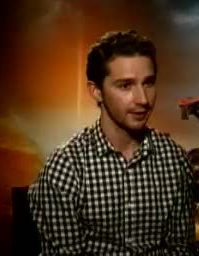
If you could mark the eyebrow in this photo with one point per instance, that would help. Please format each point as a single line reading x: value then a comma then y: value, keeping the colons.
x: 149, y: 78
x: 121, y: 80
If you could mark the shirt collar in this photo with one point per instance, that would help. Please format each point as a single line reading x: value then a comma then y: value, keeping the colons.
x: 145, y: 148
x: 103, y: 146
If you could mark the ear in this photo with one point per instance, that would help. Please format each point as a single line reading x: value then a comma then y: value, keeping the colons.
x: 94, y: 91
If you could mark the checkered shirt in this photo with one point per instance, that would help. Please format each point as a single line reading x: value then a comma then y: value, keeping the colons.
x: 89, y: 200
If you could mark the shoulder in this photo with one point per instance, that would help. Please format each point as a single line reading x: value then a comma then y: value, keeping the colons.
x: 163, y: 142
x: 71, y: 149
x: 172, y: 154
x: 65, y: 161
x: 77, y: 144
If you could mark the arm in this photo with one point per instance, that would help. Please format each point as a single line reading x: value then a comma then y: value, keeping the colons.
x: 181, y: 227
x: 53, y: 203
x: 180, y: 224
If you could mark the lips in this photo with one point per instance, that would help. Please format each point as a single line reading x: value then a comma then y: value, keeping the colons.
x: 143, y: 112
x: 138, y: 114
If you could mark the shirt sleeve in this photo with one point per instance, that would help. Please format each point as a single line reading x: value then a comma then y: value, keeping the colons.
x: 53, y: 204
x: 181, y: 227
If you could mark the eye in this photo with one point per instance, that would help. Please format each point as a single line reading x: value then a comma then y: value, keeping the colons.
x: 125, y: 85
x: 149, y: 82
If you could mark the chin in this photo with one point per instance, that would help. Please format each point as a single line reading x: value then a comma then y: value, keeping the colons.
x: 137, y: 125
x: 135, y: 128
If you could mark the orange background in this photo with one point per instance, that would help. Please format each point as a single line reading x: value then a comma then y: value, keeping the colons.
x: 43, y: 94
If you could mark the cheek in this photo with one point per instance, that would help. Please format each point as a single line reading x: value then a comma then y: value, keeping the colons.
x: 152, y: 97
x: 122, y: 101
x: 115, y: 102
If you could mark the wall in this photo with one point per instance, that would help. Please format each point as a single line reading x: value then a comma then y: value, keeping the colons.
x: 43, y: 94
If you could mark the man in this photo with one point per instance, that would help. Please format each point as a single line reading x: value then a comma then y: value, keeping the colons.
x: 118, y: 187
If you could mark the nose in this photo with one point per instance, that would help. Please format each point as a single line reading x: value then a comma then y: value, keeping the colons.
x: 140, y: 96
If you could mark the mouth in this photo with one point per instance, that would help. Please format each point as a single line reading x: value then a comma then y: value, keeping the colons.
x: 139, y: 114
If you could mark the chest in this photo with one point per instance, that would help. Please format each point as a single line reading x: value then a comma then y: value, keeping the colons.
x: 142, y: 191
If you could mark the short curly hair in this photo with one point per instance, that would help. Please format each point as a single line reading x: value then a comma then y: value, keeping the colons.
x: 113, y: 44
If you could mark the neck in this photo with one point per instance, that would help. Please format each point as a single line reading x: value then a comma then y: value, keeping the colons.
x: 123, y: 140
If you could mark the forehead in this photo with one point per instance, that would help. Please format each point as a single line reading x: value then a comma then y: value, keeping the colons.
x: 130, y: 65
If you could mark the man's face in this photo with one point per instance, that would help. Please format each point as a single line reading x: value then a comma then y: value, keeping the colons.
x: 128, y: 93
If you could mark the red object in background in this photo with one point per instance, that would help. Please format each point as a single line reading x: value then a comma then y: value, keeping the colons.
x: 188, y: 101
x: 189, y: 106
